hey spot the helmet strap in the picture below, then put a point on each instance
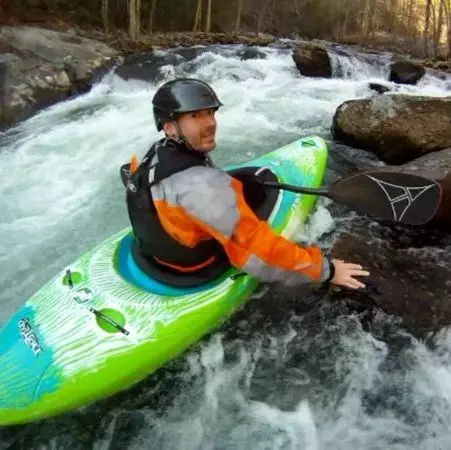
(182, 139)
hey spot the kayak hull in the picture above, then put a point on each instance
(98, 329)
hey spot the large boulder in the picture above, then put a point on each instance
(147, 66)
(398, 128)
(406, 72)
(312, 60)
(39, 67)
(409, 274)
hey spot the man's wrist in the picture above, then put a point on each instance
(331, 272)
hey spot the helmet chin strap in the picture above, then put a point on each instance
(182, 139)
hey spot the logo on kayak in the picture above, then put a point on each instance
(29, 336)
(83, 295)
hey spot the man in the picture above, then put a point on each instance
(187, 214)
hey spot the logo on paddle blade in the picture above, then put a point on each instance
(400, 198)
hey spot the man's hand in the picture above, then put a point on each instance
(345, 273)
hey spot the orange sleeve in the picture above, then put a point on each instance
(255, 248)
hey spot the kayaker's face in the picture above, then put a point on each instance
(198, 127)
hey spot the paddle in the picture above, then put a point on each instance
(400, 197)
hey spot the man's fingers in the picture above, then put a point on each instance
(358, 273)
(352, 266)
(345, 274)
(354, 284)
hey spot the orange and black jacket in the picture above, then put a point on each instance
(199, 212)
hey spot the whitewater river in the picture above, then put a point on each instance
(293, 370)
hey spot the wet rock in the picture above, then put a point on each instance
(440, 74)
(443, 216)
(409, 273)
(445, 66)
(406, 72)
(312, 60)
(397, 128)
(9, 437)
(379, 88)
(62, 80)
(128, 424)
(251, 53)
(39, 67)
(148, 66)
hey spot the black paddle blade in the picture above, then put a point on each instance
(400, 197)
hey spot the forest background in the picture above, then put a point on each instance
(419, 28)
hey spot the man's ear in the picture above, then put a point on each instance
(170, 129)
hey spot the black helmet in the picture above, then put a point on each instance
(182, 95)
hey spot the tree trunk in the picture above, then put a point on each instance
(105, 22)
(335, 12)
(404, 14)
(208, 18)
(344, 25)
(410, 14)
(138, 20)
(372, 19)
(434, 26)
(434, 23)
(393, 16)
(238, 16)
(369, 19)
(198, 17)
(366, 20)
(407, 15)
(426, 28)
(448, 17)
(438, 30)
(134, 12)
(261, 16)
(153, 8)
(132, 19)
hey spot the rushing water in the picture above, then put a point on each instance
(293, 370)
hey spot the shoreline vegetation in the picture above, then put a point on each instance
(417, 29)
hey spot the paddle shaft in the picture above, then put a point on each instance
(298, 189)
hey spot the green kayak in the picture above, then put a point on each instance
(103, 323)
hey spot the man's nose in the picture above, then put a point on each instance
(210, 120)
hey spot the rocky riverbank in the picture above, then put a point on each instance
(39, 67)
